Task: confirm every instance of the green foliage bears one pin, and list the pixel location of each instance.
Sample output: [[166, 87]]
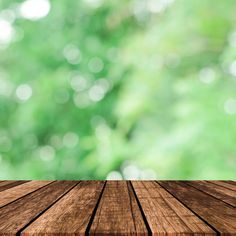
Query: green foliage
[[141, 88]]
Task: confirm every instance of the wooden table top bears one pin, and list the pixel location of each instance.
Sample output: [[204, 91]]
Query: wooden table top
[[117, 208]]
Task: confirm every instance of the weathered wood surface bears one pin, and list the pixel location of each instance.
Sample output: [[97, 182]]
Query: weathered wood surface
[[41, 208]]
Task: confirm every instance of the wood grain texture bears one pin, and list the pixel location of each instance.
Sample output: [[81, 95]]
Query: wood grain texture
[[165, 214], [15, 216], [10, 183], [19, 191], [74, 208], [118, 212], [218, 214], [231, 182], [71, 214], [225, 195], [225, 184], [2, 182]]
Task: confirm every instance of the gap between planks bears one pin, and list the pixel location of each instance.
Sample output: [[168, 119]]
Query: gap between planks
[[42, 212]]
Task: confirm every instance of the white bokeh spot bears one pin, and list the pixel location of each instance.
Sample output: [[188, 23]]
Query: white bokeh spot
[[35, 9], [232, 68], [24, 92], [230, 106], [70, 140], [6, 32], [207, 75], [114, 175]]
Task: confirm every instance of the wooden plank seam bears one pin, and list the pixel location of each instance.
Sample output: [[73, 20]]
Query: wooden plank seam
[[141, 210], [95, 210], [211, 195], [27, 194], [213, 228], [43, 211], [225, 185], [118, 208]]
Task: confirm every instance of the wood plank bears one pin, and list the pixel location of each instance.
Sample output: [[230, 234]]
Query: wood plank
[[26, 209], [225, 195], [19, 191], [225, 184], [2, 183], [118, 212], [218, 214], [231, 182], [165, 214], [77, 206], [10, 183], [5, 182]]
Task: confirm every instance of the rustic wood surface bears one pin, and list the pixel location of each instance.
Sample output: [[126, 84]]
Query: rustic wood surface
[[42, 208]]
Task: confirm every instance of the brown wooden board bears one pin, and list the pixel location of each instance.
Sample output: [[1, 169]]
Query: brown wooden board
[[74, 208], [216, 213], [18, 191], [15, 216], [10, 183], [231, 182], [118, 212], [3, 182], [166, 215], [225, 184], [71, 214], [225, 195]]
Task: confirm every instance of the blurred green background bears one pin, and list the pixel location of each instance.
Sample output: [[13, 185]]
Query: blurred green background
[[132, 89]]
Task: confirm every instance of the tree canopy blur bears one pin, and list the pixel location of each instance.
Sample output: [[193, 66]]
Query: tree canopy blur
[[133, 89]]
